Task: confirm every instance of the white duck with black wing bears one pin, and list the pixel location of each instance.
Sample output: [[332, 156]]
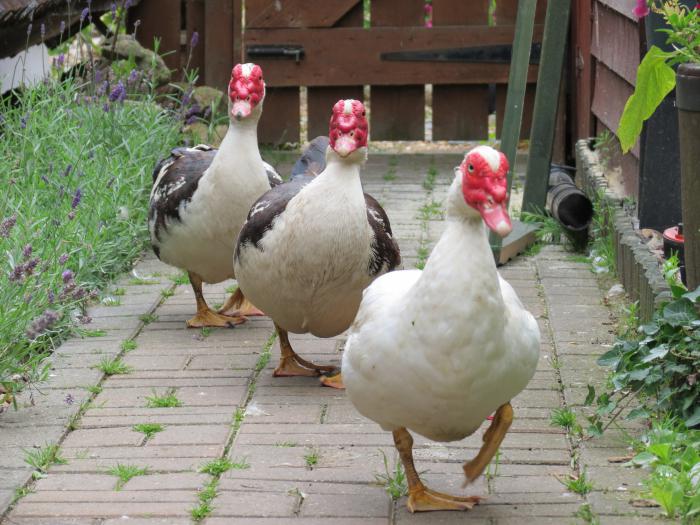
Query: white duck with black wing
[[311, 246], [201, 196]]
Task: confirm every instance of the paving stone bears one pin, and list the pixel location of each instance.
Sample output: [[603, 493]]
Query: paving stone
[[254, 504], [96, 437], [147, 509], [191, 434], [374, 505]]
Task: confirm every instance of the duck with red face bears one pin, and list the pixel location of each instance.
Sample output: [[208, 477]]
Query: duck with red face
[[311, 246], [201, 196]]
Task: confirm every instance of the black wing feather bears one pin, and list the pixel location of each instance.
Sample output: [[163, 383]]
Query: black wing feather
[[386, 255]]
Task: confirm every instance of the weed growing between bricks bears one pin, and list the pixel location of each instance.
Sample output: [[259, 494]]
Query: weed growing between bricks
[[430, 210], [218, 467]]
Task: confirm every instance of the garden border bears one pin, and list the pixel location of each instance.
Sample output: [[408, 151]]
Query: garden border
[[637, 267]]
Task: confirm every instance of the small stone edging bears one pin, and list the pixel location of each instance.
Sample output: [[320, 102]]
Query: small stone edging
[[637, 268]]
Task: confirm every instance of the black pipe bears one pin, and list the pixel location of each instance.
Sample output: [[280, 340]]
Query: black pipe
[[567, 203]]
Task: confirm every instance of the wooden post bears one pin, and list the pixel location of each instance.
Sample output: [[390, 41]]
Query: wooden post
[[515, 99], [556, 28]]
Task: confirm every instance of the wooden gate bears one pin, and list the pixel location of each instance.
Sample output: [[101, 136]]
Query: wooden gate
[[336, 48]]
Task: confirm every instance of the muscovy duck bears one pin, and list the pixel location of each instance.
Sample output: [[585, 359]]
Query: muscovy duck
[[201, 196], [311, 245], [456, 337]]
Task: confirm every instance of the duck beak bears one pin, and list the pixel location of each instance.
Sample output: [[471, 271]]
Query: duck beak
[[241, 109], [345, 145], [496, 218]]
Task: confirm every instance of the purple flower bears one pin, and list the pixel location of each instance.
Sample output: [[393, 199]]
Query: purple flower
[[30, 265], [76, 198], [118, 94], [29, 29], [6, 226], [42, 29], [84, 14], [71, 216], [191, 120], [17, 273], [27, 251], [67, 276], [194, 40], [50, 297], [127, 4], [641, 9], [69, 168], [69, 400], [59, 61], [62, 27], [133, 76], [63, 258], [113, 8], [102, 89], [105, 107], [186, 97], [42, 323]]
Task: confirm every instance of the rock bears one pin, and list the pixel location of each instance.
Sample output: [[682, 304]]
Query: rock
[[145, 59], [616, 290], [207, 96], [199, 132], [654, 239]]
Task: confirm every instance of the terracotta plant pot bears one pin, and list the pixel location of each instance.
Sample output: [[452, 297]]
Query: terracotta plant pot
[[688, 103]]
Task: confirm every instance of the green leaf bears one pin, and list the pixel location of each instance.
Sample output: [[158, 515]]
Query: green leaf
[[655, 353], [639, 374], [609, 358], [650, 329], [655, 80], [637, 413], [680, 312], [590, 396], [694, 419], [644, 459], [694, 295]]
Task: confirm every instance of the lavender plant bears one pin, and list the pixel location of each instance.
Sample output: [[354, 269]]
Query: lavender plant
[[76, 177]]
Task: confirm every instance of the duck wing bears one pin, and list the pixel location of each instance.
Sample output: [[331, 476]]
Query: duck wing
[[273, 177], [175, 180], [385, 255], [312, 160]]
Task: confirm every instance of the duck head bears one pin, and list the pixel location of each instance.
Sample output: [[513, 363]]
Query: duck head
[[246, 92], [348, 127], [484, 187]]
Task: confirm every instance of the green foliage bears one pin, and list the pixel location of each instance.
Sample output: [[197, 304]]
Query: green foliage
[[661, 366], [148, 429], [655, 80], [128, 345], [394, 480], [240, 464], [430, 178], [431, 211], [168, 400], [92, 333], [41, 459], [181, 278], [148, 318], [566, 419], [672, 452], [125, 473], [217, 466], [603, 245], [113, 367], [579, 484], [312, 457], [205, 497], [585, 513], [76, 181]]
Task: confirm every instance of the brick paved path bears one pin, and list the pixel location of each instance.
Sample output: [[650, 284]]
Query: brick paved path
[[303, 454]]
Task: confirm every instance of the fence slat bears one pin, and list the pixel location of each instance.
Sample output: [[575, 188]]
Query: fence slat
[[159, 19], [321, 99], [218, 42], [460, 112], [280, 119], [397, 113], [194, 21]]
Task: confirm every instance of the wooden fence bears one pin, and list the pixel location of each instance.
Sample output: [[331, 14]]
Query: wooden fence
[[343, 46]]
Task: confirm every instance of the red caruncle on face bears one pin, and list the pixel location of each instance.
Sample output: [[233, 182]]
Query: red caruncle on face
[[246, 89], [348, 127]]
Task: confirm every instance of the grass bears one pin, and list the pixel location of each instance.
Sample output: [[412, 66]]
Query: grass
[[579, 484], [142, 281], [393, 480], [423, 254], [285, 444], [113, 367], [431, 211], [72, 172], [167, 292], [586, 514], [217, 467], [430, 178], [564, 418], [231, 289], [181, 278], [240, 464], [578, 258], [125, 473], [128, 345], [205, 331], [94, 389], [41, 459], [119, 292], [111, 301], [168, 400], [311, 458], [92, 333], [148, 318], [148, 429]]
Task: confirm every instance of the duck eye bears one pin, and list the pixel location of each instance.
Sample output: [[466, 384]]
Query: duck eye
[[352, 133], [470, 168]]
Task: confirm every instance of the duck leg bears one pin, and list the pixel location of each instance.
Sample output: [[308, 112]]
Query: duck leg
[[493, 437], [420, 497], [238, 305], [205, 316], [291, 364]]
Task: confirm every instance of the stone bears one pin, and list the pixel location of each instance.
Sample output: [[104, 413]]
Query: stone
[[127, 47]]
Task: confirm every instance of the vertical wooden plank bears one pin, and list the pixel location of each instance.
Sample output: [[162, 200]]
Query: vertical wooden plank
[[548, 84], [320, 100], [527, 109], [460, 112], [159, 19], [237, 31], [397, 112], [280, 119], [507, 11], [195, 23], [582, 69], [218, 42]]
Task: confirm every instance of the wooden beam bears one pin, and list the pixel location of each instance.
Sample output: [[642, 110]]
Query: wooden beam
[[295, 13], [331, 55], [556, 28]]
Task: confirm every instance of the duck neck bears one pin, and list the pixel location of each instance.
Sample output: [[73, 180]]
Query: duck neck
[[342, 172], [239, 148]]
